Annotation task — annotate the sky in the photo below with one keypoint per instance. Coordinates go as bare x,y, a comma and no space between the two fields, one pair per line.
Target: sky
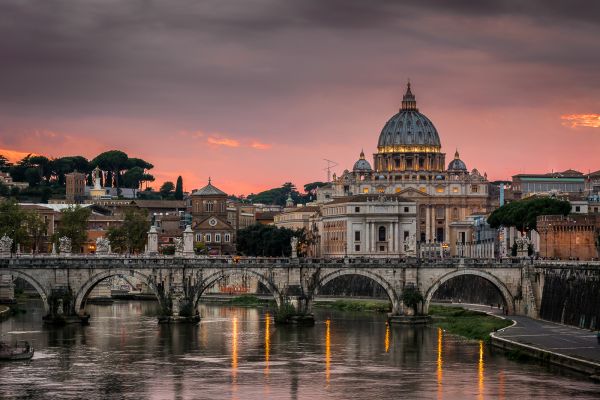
255,93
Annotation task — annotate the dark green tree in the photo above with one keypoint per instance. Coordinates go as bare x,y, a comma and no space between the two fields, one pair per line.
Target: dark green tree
4,164
13,223
114,161
166,189
131,236
265,240
73,224
37,229
523,214
179,188
133,177
412,298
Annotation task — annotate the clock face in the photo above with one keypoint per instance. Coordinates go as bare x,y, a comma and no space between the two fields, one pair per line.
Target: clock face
212,222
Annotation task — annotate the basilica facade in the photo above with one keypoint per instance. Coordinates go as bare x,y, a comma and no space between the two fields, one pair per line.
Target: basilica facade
409,164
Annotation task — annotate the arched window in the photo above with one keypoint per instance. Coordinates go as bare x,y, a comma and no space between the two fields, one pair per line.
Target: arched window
227,238
198,237
382,236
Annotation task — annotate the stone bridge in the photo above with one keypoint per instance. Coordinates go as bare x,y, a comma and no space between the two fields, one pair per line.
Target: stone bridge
64,283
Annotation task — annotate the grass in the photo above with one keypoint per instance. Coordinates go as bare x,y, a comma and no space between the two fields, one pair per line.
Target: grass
354,305
467,323
247,300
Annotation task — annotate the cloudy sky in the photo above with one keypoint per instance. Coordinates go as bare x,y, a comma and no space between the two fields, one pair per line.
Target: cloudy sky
258,92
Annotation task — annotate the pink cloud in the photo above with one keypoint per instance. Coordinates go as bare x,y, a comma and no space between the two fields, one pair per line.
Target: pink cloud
222,141
581,120
260,146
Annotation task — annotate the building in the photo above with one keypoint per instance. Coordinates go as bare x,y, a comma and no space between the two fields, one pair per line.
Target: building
569,237
473,237
209,220
409,162
7,180
366,225
296,217
569,182
75,187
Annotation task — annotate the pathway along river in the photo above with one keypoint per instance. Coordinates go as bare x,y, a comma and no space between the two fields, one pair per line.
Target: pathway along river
124,354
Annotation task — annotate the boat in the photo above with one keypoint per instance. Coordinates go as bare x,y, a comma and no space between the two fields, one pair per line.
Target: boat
22,350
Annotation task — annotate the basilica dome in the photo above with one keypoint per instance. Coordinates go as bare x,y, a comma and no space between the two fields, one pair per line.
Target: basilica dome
409,130
457,164
362,165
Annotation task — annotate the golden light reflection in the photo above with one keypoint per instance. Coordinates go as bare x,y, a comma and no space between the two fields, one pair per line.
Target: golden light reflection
387,337
440,363
327,350
581,120
480,370
267,342
234,349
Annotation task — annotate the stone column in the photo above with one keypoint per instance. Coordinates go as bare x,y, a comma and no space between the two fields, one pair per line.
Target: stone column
373,237
366,235
188,241
427,222
152,241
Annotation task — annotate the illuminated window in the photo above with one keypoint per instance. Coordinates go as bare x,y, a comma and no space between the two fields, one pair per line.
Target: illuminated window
474,188
365,190
439,190
380,190
398,190
454,190
422,189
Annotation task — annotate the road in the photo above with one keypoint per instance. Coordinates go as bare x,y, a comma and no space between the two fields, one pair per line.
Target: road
562,339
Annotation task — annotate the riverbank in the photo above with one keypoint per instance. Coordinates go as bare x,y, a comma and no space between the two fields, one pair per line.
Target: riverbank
4,313
467,323
551,343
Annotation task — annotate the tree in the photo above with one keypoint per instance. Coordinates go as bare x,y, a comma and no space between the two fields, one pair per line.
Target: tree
4,164
277,195
265,240
311,189
523,214
412,298
114,161
167,188
73,224
131,236
133,177
12,223
37,229
179,189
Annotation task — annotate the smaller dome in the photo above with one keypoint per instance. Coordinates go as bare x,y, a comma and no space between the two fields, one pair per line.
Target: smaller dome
362,165
457,164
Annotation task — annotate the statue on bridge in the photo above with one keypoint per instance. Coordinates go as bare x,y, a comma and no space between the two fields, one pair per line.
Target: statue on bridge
5,245
294,245
64,245
102,246
178,242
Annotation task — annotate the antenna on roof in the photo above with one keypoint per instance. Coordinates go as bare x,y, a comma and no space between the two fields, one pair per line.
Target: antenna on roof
330,164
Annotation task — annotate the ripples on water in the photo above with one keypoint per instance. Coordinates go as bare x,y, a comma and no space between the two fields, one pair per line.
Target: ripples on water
124,354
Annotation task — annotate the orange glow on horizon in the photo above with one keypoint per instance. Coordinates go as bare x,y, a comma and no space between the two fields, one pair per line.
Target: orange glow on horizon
217,141
581,120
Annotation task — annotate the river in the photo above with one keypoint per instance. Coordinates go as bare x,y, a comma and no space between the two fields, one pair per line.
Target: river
124,354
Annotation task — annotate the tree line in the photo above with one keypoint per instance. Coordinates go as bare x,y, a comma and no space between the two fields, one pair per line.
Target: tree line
47,176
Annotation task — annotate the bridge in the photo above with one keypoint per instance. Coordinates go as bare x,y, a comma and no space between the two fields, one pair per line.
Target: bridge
64,283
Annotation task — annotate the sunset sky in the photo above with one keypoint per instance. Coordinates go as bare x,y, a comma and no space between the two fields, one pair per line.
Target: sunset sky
255,93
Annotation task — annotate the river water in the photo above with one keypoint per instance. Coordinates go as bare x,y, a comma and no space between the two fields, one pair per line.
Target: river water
238,353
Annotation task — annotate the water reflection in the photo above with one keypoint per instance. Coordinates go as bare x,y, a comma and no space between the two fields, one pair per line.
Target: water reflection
480,371
327,350
440,362
387,337
123,353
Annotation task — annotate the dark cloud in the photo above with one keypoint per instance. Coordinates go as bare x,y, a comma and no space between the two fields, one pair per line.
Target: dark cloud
186,58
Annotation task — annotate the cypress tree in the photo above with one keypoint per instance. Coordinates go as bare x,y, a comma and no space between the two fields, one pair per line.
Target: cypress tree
179,189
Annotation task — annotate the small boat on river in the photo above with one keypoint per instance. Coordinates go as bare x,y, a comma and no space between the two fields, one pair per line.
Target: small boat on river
22,350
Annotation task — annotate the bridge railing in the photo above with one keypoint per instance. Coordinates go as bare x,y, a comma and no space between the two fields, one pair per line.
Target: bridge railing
377,262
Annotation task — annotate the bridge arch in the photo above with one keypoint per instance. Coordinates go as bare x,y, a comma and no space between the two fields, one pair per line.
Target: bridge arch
86,288
389,289
33,282
504,292
215,277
